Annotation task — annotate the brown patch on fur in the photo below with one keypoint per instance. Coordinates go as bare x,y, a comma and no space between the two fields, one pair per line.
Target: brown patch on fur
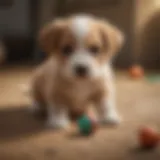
112,37
105,36
51,35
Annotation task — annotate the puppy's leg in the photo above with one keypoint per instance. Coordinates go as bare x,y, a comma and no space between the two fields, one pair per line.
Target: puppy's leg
38,109
107,106
57,117
38,105
107,111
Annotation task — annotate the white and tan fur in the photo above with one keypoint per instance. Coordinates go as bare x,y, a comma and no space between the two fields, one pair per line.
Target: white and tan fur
58,86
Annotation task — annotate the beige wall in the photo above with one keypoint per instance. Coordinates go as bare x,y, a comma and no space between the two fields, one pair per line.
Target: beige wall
147,16
46,11
144,10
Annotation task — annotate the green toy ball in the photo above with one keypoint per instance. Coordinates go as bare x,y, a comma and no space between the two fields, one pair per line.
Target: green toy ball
86,125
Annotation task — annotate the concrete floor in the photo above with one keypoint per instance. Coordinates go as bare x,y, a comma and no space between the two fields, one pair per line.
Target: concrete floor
24,138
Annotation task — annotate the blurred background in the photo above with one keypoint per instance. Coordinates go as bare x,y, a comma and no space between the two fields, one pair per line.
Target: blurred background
20,21
23,137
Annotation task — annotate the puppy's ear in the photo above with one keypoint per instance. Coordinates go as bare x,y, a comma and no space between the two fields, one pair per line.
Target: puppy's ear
50,36
113,38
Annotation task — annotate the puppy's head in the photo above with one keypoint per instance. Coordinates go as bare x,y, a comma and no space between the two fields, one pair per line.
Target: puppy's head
82,45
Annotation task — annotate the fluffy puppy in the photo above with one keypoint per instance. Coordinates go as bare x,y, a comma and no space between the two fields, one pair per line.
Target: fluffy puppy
78,70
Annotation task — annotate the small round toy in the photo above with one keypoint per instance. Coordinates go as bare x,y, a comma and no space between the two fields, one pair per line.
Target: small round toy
148,137
136,71
86,125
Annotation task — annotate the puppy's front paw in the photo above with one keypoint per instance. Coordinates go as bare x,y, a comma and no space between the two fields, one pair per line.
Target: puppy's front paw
57,123
112,119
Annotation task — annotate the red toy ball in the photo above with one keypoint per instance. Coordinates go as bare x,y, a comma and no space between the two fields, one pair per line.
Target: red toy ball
148,137
136,71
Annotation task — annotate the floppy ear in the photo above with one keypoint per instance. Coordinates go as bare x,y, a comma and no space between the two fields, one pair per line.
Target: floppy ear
113,38
50,35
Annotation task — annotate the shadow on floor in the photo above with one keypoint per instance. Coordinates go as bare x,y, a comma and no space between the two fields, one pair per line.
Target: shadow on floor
18,122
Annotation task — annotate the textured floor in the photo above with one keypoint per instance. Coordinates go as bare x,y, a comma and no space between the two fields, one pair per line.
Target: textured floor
24,138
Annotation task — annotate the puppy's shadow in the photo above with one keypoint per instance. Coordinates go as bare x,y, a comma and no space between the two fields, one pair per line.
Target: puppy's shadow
18,122
142,150
78,135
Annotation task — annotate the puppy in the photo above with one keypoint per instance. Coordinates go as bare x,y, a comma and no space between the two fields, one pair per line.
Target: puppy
78,70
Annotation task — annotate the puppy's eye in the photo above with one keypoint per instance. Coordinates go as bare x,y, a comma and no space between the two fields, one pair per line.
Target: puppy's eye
67,50
94,49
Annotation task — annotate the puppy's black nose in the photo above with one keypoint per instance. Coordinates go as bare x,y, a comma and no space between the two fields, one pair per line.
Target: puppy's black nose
81,70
